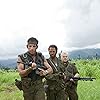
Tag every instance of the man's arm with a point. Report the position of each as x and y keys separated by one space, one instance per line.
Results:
x=48 y=68
x=76 y=73
x=22 y=71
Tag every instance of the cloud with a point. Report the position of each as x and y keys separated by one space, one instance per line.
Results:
x=23 y=19
x=65 y=23
x=82 y=26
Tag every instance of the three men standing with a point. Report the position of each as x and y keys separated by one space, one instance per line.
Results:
x=33 y=67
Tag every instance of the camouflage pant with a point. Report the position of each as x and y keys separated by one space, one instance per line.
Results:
x=71 y=93
x=55 y=95
x=38 y=95
x=33 y=90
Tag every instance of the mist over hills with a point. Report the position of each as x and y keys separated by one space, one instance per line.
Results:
x=85 y=54
x=76 y=54
x=10 y=63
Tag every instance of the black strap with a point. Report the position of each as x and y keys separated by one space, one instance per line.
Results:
x=53 y=64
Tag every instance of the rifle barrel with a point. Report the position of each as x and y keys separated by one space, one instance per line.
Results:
x=84 y=78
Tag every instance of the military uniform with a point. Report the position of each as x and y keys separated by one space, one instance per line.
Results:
x=55 y=90
x=71 y=87
x=32 y=85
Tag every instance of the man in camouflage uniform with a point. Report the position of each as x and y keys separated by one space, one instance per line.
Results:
x=70 y=71
x=55 y=90
x=32 y=67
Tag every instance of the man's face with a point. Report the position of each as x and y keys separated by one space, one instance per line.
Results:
x=52 y=52
x=32 y=48
x=64 y=57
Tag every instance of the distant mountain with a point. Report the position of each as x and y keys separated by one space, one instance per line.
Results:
x=85 y=54
x=76 y=54
x=10 y=63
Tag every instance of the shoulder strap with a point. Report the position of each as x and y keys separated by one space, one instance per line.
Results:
x=40 y=55
x=53 y=65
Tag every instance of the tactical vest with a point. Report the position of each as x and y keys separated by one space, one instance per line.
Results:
x=53 y=80
x=70 y=70
x=27 y=58
x=70 y=67
x=55 y=68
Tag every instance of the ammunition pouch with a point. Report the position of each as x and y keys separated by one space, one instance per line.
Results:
x=18 y=83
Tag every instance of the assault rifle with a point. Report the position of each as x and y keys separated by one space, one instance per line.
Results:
x=81 y=78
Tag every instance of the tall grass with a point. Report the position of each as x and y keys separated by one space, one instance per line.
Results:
x=89 y=90
x=8 y=90
x=90 y=68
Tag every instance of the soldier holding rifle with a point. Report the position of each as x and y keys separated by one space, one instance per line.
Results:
x=70 y=71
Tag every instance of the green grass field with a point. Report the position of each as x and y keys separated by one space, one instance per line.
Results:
x=87 y=90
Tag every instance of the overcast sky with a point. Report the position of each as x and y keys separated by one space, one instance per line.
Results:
x=69 y=24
